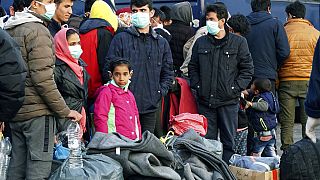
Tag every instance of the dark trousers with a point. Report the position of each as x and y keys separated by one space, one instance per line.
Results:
x=224 y=118
x=148 y=121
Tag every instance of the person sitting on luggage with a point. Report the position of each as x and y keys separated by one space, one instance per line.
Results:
x=262 y=109
x=115 y=108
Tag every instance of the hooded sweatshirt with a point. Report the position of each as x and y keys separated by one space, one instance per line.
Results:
x=268 y=44
x=181 y=32
x=41 y=94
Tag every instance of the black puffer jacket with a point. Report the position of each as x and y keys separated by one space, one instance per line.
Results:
x=180 y=31
x=220 y=72
x=74 y=94
x=12 y=77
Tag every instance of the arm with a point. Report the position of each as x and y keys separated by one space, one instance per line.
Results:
x=193 y=68
x=12 y=68
x=260 y=105
x=166 y=74
x=104 y=41
x=41 y=64
x=245 y=66
x=101 y=110
x=282 y=44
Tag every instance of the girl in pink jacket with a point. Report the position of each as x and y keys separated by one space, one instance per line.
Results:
x=115 y=108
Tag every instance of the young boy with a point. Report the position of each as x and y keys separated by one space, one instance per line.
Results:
x=115 y=109
x=157 y=24
x=262 y=109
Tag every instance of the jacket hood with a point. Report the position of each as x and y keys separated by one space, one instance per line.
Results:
x=258 y=17
x=92 y=23
x=132 y=30
x=298 y=20
x=21 y=18
x=182 y=12
x=101 y=9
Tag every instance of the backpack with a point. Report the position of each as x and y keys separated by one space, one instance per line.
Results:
x=301 y=161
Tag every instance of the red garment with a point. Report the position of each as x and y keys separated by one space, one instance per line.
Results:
x=187 y=102
x=63 y=53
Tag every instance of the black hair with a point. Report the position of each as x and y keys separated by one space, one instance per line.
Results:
x=2 y=12
x=219 y=9
x=70 y=32
x=296 y=9
x=88 y=4
x=166 y=10
x=159 y=13
x=140 y=3
x=239 y=23
x=60 y=1
x=118 y=61
x=262 y=85
x=18 y=5
x=260 y=5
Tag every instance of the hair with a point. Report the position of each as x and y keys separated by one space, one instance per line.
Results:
x=88 y=4
x=60 y=1
x=140 y=3
x=2 y=11
x=296 y=9
x=262 y=85
x=166 y=10
x=70 y=32
x=118 y=61
x=159 y=13
x=219 y=9
x=18 y=5
x=240 y=24
x=260 y=5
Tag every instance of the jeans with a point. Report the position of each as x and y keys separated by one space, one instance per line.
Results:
x=289 y=93
x=268 y=147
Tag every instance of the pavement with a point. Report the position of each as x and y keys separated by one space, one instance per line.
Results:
x=296 y=135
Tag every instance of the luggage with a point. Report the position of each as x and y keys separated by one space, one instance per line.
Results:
x=301 y=161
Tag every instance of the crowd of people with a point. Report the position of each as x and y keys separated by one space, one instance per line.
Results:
x=246 y=73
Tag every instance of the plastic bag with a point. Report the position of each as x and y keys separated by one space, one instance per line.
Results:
x=60 y=152
x=182 y=122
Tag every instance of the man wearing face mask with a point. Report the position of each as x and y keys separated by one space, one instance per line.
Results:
x=34 y=125
x=220 y=68
x=151 y=61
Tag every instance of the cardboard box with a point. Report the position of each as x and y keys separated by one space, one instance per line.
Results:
x=247 y=174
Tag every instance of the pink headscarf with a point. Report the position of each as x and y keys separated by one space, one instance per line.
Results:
x=63 y=53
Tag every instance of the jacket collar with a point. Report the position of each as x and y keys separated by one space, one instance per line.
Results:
x=133 y=30
x=298 y=20
x=81 y=62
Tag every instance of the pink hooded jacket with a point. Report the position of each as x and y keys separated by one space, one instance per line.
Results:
x=115 y=110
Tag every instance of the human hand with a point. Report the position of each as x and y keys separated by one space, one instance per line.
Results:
x=245 y=93
x=74 y=115
x=312 y=123
x=2 y=126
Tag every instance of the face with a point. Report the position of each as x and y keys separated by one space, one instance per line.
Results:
x=155 y=21
x=212 y=16
x=143 y=9
x=73 y=39
x=39 y=8
x=253 y=89
x=121 y=75
x=63 y=11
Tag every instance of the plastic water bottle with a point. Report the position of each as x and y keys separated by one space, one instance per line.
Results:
x=74 y=144
x=5 y=150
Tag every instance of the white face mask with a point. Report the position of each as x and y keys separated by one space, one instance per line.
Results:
x=213 y=27
x=75 y=51
x=140 y=19
x=50 y=9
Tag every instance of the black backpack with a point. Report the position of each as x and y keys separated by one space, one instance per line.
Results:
x=301 y=161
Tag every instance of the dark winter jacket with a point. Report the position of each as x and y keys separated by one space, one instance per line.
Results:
x=68 y=84
x=180 y=31
x=312 y=103
x=151 y=60
x=268 y=44
x=96 y=35
x=12 y=77
x=220 y=72
x=54 y=27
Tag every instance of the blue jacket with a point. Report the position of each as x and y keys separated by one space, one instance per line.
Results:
x=268 y=44
x=151 y=60
x=312 y=103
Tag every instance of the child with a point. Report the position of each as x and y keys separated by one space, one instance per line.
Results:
x=115 y=108
x=157 y=24
x=262 y=110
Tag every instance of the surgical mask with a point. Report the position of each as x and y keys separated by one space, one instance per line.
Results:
x=75 y=51
x=50 y=9
x=140 y=19
x=213 y=27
